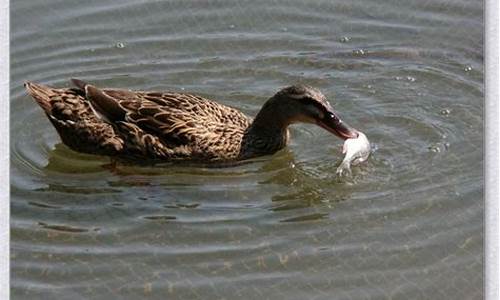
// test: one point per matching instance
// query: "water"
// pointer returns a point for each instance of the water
(408, 224)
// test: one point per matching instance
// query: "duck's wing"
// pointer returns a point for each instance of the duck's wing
(177, 119)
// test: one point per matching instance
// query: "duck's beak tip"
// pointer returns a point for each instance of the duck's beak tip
(333, 124)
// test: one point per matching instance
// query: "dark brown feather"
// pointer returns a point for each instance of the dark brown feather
(104, 103)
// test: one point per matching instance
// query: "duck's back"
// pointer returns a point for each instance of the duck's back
(211, 130)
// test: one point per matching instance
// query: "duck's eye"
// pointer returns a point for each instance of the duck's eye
(334, 117)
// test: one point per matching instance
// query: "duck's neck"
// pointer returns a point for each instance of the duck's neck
(268, 132)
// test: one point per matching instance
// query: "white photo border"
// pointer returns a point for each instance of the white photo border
(491, 151)
(4, 150)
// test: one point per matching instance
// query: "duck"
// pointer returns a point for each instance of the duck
(152, 126)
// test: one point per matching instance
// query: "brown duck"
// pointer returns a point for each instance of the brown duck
(168, 126)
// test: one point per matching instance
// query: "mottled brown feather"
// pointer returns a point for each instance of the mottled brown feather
(143, 125)
(75, 121)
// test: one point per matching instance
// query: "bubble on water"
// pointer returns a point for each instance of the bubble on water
(434, 148)
(445, 112)
(468, 68)
(232, 26)
(345, 39)
(370, 88)
(358, 52)
(120, 45)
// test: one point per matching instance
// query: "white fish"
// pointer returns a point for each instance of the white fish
(356, 151)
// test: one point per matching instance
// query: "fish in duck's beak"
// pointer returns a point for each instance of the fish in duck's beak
(335, 125)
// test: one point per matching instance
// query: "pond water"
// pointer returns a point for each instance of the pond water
(408, 223)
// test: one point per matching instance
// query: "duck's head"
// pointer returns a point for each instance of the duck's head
(300, 103)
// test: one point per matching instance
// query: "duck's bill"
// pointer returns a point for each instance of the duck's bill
(333, 124)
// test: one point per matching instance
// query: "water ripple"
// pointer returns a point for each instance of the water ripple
(406, 224)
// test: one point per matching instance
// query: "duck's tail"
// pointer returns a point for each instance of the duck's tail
(61, 104)
(75, 120)
(41, 93)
